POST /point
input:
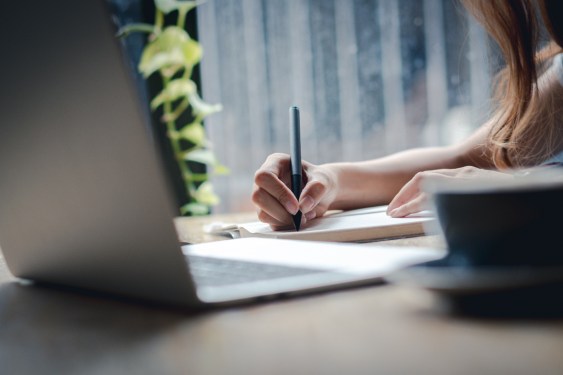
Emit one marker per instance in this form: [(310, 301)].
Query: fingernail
[(393, 213), (311, 215), (291, 207), (306, 204)]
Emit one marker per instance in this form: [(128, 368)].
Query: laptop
[(84, 197)]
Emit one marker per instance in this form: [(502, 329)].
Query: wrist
[(338, 184)]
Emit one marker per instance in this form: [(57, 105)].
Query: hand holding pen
[(274, 199)]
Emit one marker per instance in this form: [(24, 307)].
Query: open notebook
[(355, 225)]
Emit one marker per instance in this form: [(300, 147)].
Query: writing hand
[(274, 199)]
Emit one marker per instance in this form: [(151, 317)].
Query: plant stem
[(181, 18), (158, 20), (135, 27), (174, 114), (176, 148)]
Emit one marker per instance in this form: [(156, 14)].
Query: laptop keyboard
[(208, 271)]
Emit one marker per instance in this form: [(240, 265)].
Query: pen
[(295, 159)]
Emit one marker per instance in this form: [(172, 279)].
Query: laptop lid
[(83, 195), (82, 202)]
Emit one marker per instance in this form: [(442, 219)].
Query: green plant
[(172, 54)]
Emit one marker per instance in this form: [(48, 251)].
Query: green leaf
[(194, 132), (168, 63), (201, 108), (207, 157), (173, 135), (199, 177), (185, 88), (205, 195), (192, 52), (203, 156), (171, 51), (174, 90), (196, 209), (167, 6)]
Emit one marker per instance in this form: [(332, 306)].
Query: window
[(371, 77)]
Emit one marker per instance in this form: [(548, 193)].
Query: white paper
[(366, 218), (355, 258)]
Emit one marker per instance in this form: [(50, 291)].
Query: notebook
[(84, 198), (365, 224)]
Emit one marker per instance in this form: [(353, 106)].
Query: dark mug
[(523, 227), (505, 247)]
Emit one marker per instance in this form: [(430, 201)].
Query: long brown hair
[(523, 131)]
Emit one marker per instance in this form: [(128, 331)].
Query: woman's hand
[(411, 199), (274, 199)]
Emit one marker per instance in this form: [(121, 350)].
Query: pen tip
[(297, 221)]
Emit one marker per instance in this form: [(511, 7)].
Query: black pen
[(295, 159)]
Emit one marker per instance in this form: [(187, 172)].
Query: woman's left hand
[(412, 199)]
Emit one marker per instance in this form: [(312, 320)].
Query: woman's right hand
[(274, 199)]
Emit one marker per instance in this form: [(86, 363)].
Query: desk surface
[(381, 329)]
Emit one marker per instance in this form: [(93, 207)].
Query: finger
[(270, 183), (270, 205), (264, 217), (290, 225), (408, 192), (311, 215), (311, 195), (279, 166), (281, 226), (317, 212), (413, 206)]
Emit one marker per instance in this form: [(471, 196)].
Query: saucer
[(489, 291), (440, 276)]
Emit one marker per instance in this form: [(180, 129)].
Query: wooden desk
[(371, 330)]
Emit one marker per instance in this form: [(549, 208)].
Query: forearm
[(377, 181)]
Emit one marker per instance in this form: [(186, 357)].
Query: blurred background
[(371, 77)]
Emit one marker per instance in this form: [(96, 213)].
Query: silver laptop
[(84, 200)]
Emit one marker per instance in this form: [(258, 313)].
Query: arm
[(396, 179), (538, 137), (354, 185), (378, 181)]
